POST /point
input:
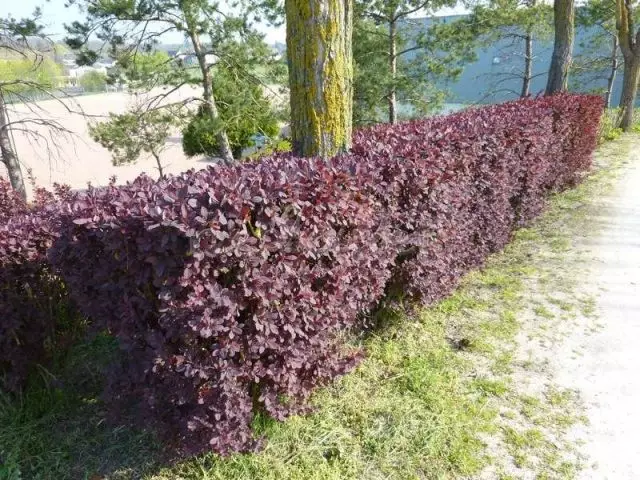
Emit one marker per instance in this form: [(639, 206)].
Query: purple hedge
[(36, 319), (11, 203), (232, 290)]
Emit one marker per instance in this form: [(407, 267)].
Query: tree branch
[(406, 13)]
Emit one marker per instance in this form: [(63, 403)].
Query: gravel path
[(606, 372)]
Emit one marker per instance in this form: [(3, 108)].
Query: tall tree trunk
[(207, 95), (393, 70), (563, 15), (612, 75), (528, 65), (629, 91), (7, 153), (320, 59)]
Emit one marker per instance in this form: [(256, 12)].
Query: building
[(495, 76)]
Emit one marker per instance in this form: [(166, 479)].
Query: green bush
[(244, 113), (93, 81), (279, 145), (199, 136), (45, 73), (608, 129)]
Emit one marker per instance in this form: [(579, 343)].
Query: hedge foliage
[(232, 290), (11, 203), (36, 319)]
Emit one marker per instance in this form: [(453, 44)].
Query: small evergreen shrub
[(199, 136), (244, 112)]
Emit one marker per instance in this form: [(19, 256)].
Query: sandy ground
[(602, 363), (75, 158), (607, 373)]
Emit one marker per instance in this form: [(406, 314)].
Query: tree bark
[(612, 75), (393, 70), (207, 95), (630, 47), (629, 91), (8, 154), (156, 156), (319, 53), (563, 15), (528, 65)]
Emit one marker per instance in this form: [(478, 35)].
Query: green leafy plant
[(93, 81), (244, 113), (130, 134), (28, 75), (609, 129), (279, 145)]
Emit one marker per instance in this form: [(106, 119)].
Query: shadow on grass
[(406, 398), (58, 428)]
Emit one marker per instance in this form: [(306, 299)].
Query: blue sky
[(55, 15)]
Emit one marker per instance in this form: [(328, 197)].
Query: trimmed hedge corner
[(231, 290)]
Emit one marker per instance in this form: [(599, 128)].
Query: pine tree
[(129, 27)]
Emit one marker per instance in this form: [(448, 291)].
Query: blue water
[(451, 107), (407, 111)]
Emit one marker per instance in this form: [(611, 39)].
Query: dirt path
[(606, 370), (571, 407)]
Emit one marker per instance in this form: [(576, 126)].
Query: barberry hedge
[(233, 290), (11, 203), (36, 319)]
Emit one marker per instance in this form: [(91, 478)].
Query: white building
[(78, 72)]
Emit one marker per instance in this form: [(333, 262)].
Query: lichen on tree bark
[(320, 75)]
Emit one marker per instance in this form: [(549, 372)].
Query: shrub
[(608, 130), (274, 147), (244, 112), (458, 185), (93, 81), (36, 320), (199, 136), (232, 290), (11, 203), (238, 276)]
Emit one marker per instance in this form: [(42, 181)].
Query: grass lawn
[(440, 395)]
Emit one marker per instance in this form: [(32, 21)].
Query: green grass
[(608, 129), (439, 396)]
